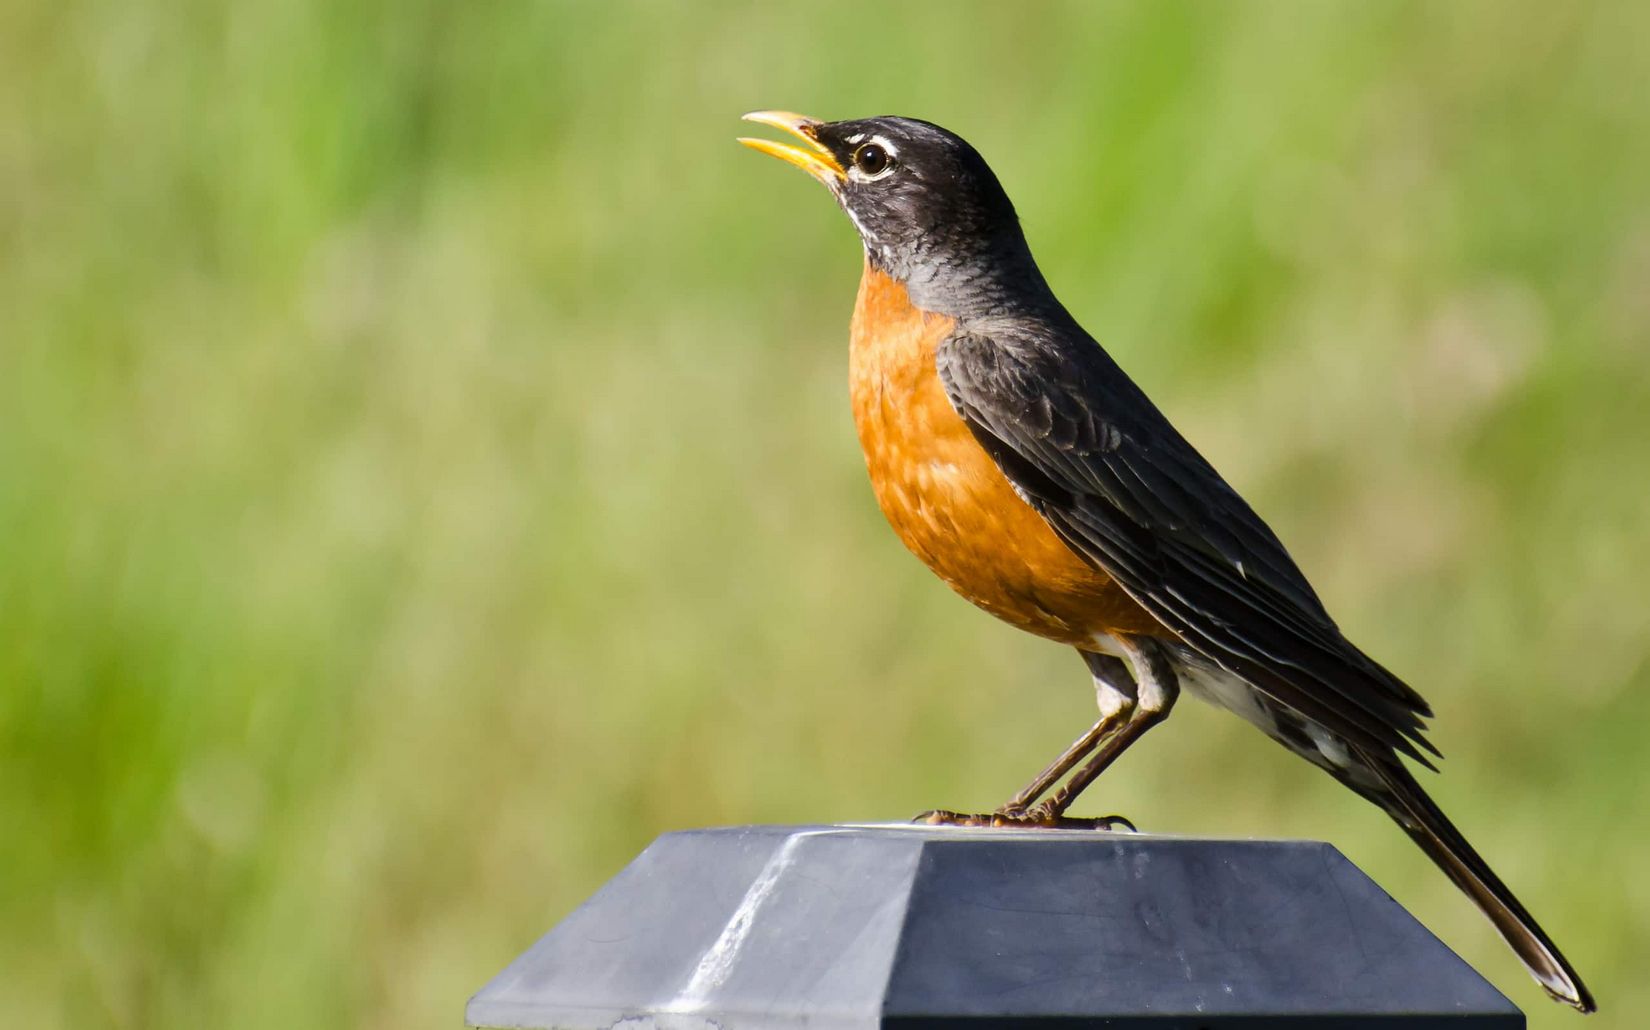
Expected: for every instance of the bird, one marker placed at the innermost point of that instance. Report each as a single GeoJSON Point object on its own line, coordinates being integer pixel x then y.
{"type": "Point", "coordinates": [1014, 456]}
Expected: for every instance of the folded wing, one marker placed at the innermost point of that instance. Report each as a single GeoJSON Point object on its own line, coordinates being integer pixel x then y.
{"type": "Point", "coordinates": [1091, 453]}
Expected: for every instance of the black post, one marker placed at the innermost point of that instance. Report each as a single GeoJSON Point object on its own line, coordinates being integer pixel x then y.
{"type": "Point", "coordinates": [868, 926]}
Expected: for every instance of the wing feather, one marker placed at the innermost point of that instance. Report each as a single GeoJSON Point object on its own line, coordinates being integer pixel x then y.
{"type": "Point", "coordinates": [1126, 491]}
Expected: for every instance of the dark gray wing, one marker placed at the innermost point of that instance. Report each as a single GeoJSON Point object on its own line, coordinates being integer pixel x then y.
{"type": "Point", "coordinates": [1124, 490]}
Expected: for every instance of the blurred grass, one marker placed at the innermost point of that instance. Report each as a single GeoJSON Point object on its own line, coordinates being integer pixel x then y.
{"type": "Point", "coordinates": [425, 473]}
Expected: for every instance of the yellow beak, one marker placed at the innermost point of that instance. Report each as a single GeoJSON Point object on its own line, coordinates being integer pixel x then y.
{"type": "Point", "coordinates": [816, 161]}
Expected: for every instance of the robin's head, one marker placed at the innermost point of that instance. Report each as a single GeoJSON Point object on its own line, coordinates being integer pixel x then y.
{"type": "Point", "coordinates": [927, 206]}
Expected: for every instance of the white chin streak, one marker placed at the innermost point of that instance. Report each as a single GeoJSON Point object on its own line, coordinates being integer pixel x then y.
{"type": "Point", "coordinates": [865, 234]}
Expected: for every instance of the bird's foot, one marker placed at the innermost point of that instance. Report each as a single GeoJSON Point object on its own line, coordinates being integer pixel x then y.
{"type": "Point", "coordinates": [1036, 817]}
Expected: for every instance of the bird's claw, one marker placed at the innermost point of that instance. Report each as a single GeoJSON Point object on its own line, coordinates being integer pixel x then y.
{"type": "Point", "coordinates": [1036, 817]}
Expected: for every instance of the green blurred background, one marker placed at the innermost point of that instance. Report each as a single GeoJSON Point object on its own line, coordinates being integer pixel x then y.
{"type": "Point", "coordinates": [426, 472]}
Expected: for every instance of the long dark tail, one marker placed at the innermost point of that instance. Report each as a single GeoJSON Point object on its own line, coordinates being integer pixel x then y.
{"type": "Point", "coordinates": [1409, 806]}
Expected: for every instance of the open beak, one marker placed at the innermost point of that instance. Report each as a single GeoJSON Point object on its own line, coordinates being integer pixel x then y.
{"type": "Point", "coordinates": [817, 161]}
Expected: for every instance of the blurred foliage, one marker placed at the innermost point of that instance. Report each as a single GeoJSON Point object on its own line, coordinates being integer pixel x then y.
{"type": "Point", "coordinates": [425, 470]}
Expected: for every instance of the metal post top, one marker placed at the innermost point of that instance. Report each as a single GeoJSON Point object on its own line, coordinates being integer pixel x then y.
{"type": "Point", "coordinates": [891, 924]}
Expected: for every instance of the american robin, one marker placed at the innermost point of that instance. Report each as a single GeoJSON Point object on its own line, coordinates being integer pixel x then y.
{"type": "Point", "coordinates": [1027, 470]}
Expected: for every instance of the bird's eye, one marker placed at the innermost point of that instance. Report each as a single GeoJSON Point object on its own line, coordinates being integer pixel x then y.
{"type": "Point", "coordinates": [872, 159]}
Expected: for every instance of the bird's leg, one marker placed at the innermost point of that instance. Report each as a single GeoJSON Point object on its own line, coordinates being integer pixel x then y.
{"type": "Point", "coordinates": [1114, 692]}
{"type": "Point", "coordinates": [1079, 750]}
{"type": "Point", "coordinates": [1157, 687]}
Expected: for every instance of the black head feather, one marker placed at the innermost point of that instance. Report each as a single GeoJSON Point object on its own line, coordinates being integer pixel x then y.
{"type": "Point", "coordinates": [932, 214]}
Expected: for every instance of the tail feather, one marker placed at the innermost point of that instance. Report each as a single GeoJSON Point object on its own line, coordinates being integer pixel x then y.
{"type": "Point", "coordinates": [1380, 776]}
{"type": "Point", "coordinates": [1409, 805]}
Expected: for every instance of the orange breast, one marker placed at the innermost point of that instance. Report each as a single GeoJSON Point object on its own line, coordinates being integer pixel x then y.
{"type": "Point", "coordinates": [947, 499]}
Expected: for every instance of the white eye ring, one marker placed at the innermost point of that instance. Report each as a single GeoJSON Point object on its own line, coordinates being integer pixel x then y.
{"type": "Point", "coordinates": [890, 161]}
